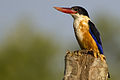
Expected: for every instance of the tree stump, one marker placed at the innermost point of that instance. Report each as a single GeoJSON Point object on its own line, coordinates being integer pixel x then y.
{"type": "Point", "coordinates": [81, 65]}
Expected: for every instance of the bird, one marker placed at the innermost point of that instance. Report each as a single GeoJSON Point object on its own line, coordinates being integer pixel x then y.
{"type": "Point", "coordinates": [87, 35]}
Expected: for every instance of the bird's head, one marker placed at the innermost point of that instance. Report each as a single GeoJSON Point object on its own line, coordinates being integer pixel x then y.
{"type": "Point", "coordinates": [75, 11]}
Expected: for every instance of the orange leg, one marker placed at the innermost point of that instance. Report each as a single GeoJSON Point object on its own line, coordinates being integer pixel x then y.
{"type": "Point", "coordinates": [102, 57]}
{"type": "Point", "coordinates": [95, 54]}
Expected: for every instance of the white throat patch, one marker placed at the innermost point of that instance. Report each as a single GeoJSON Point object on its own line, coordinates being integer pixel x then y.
{"type": "Point", "coordinates": [77, 28]}
{"type": "Point", "coordinates": [78, 18]}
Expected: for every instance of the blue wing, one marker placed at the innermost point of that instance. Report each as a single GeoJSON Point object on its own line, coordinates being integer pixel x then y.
{"type": "Point", "coordinates": [96, 36]}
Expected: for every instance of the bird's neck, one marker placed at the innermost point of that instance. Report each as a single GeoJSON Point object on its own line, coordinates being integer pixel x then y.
{"type": "Point", "coordinates": [80, 21]}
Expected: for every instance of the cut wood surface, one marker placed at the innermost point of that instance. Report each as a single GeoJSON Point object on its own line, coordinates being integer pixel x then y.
{"type": "Point", "coordinates": [82, 65]}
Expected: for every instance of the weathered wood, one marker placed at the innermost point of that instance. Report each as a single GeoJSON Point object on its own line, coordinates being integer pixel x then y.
{"type": "Point", "coordinates": [79, 65]}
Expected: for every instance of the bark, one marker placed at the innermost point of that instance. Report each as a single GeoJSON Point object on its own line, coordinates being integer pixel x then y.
{"type": "Point", "coordinates": [82, 65]}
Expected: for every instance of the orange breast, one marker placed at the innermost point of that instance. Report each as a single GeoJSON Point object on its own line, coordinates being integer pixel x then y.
{"type": "Point", "coordinates": [88, 42]}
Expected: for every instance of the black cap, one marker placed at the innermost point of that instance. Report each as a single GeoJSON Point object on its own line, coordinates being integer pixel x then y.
{"type": "Point", "coordinates": [80, 10]}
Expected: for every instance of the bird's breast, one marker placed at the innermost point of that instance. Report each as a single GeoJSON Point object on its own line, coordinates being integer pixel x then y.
{"type": "Point", "coordinates": [80, 27]}
{"type": "Point", "coordinates": [85, 40]}
{"type": "Point", "coordinates": [83, 36]}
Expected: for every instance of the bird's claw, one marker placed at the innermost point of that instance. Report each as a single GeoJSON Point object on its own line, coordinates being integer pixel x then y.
{"type": "Point", "coordinates": [102, 57]}
{"type": "Point", "coordinates": [96, 55]}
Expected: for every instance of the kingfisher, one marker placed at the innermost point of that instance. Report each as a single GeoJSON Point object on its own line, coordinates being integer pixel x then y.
{"type": "Point", "coordinates": [86, 33]}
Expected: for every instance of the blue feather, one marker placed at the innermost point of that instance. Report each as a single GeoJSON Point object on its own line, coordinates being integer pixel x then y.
{"type": "Point", "coordinates": [99, 45]}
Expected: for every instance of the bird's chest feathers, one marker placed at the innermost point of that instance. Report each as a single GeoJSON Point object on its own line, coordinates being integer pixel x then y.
{"type": "Point", "coordinates": [81, 27]}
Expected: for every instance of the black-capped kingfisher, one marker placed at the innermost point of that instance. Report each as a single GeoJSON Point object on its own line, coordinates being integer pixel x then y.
{"type": "Point", "coordinates": [86, 33]}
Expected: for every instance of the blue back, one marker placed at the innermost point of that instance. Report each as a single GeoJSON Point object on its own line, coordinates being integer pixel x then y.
{"type": "Point", "coordinates": [96, 36]}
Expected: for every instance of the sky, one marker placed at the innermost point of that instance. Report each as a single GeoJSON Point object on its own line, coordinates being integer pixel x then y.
{"type": "Point", "coordinates": [45, 17]}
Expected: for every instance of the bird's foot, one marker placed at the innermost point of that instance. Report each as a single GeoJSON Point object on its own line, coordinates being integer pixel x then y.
{"type": "Point", "coordinates": [95, 55]}
{"type": "Point", "coordinates": [102, 57]}
{"type": "Point", "coordinates": [93, 52]}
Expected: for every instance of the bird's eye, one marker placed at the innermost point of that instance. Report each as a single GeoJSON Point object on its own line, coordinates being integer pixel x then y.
{"type": "Point", "coordinates": [72, 8]}
{"type": "Point", "coordinates": [76, 9]}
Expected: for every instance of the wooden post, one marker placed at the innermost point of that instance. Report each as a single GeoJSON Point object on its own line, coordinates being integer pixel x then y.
{"type": "Point", "coordinates": [79, 65]}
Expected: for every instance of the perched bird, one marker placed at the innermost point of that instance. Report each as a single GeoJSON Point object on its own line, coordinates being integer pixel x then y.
{"type": "Point", "coordinates": [86, 33]}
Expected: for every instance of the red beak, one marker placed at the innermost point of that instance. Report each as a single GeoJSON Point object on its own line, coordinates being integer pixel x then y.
{"type": "Point", "coordinates": [66, 10]}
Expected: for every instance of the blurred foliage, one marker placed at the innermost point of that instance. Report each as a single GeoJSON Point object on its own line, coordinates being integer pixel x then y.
{"type": "Point", "coordinates": [26, 55]}
{"type": "Point", "coordinates": [109, 29]}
